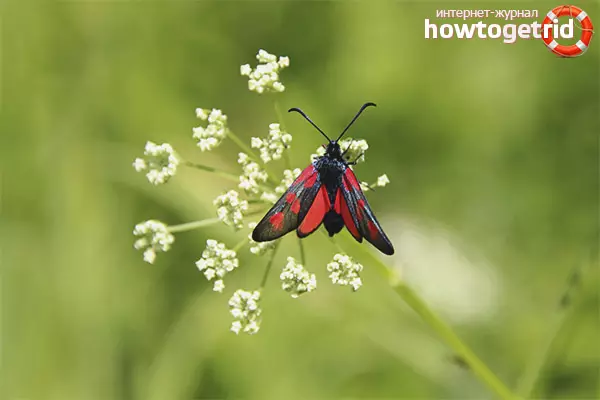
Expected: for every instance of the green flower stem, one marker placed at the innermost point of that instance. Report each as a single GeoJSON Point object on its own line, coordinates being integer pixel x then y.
{"type": "Point", "coordinates": [529, 381]}
{"type": "Point", "coordinates": [227, 175]}
{"type": "Point", "coordinates": [251, 154]}
{"type": "Point", "coordinates": [269, 265]}
{"type": "Point", "coordinates": [302, 254]}
{"type": "Point", "coordinates": [193, 225]}
{"type": "Point", "coordinates": [241, 244]}
{"type": "Point", "coordinates": [413, 300]}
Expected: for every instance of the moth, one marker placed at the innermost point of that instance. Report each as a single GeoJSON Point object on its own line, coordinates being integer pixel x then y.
{"type": "Point", "coordinates": [326, 192]}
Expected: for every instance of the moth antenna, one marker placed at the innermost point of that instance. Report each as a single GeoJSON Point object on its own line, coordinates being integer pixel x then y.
{"type": "Point", "coordinates": [355, 117]}
{"type": "Point", "coordinates": [309, 120]}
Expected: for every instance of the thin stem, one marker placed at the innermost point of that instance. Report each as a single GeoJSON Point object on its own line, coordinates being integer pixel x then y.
{"type": "Point", "coordinates": [269, 265]}
{"type": "Point", "coordinates": [449, 336]}
{"type": "Point", "coordinates": [529, 381]}
{"type": "Point", "coordinates": [188, 226]}
{"type": "Point", "coordinates": [241, 244]}
{"type": "Point", "coordinates": [413, 300]}
{"type": "Point", "coordinates": [302, 255]}
{"type": "Point", "coordinates": [206, 168]}
{"type": "Point", "coordinates": [286, 158]}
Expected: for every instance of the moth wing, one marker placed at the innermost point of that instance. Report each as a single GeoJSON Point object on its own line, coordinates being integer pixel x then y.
{"type": "Point", "coordinates": [289, 211]}
{"type": "Point", "coordinates": [362, 216]}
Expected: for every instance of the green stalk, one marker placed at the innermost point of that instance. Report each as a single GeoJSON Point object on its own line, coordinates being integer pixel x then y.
{"type": "Point", "coordinates": [444, 331]}
{"type": "Point", "coordinates": [227, 175]}
{"type": "Point", "coordinates": [529, 381]}
{"type": "Point", "coordinates": [188, 226]}
{"type": "Point", "coordinates": [269, 265]}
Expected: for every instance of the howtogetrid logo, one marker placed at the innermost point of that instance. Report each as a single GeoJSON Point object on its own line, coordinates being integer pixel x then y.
{"type": "Point", "coordinates": [548, 30]}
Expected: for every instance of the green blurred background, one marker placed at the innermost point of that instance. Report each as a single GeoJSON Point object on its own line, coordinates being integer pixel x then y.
{"type": "Point", "coordinates": [492, 151]}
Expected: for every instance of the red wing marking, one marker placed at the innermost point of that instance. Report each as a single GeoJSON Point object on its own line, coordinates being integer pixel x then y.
{"type": "Point", "coordinates": [277, 220]}
{"type": "Point", "coordinates": [290, 197]}
{"type": "Point", "coordinates": [360, 209]}
{"type": "Point", "coordinates": [351, 178]}
{"type": "Point", "coordinates": [373, 231]}
{"type": "Point", "coordinates": [337, 207]}
{"type": "Point", "coordinates": [295, 208]}
{"type": "Point", "coordinates": [347, 216]}
{"type": "Point", "coordinates": [315, 214]}
{"type": "Point", "coordinates": [310, 181]}
{"type": "Point", "coordinates": [308, 171]}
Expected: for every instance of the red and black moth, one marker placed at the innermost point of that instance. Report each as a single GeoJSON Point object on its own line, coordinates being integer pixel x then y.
{"type": "Point", "coordinates": [326, 192]}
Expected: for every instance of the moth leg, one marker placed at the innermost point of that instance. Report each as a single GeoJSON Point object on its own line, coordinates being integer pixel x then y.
{"type": "Point", "coordinates": [357, 158]}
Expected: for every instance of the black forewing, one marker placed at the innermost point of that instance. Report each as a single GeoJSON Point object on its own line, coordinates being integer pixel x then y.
{"type": "Point", "coordinates": [362, 215]}
{"type": "Point", "coordinates": [289, 211]}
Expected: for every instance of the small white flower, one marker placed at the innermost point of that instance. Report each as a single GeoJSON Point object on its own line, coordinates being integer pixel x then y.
{"type": "Point", "coordinates": [259, 248]}
{"type": "Point", "coordinates": [219, 286]}
{"type": "Point", "coordinates": [253, 175]}
{"type": "Point", "coordinates": [265, 77]}
{"type": "Point", "coordinates": [217, 261]}
{"type": "Point", "coordinates": [230, 209]}
{"type": "Point", "coordinates": [245, 70]}
{"type": "Point", "coordinates": [289, 176]}
{"type": "Point", "coordinates": [160, 161]}
{"type": "Point", "coordinates": [213, 134]}
{"type": "Point", "coordinates": [383, 180]}
{"type": "Point", "coordinates": [268, 197]}
{"type": "Point", "coordinates": [296, 280]}
{"type": "Point", "coordinates": [273, 146]}
{"type": "Point", "coordinates": [244, 308]}
{"type": "Point", "coordinates": [202, 113]}
{"type": "Point", "coordinates": [357, 149]}
{"type": "Point", "coordinates": [344, 271]}
{"type": "Point", "coordinates": [154, 237]}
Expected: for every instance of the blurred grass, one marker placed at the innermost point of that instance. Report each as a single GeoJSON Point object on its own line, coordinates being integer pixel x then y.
{"type": "Point", "coordinates": [492, 151]}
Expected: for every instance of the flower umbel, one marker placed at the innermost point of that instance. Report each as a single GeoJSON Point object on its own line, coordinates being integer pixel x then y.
{"type": "Point", "coordinates": [244, 307]}
{"type": "Point", "coordinates": [345, 271]}
{"type": "Point", "coordinates": [296, 280]}
{"type": "Point", "coordinates": [216, 262]}
{"type": "Point", "coordinates": [265, 77]}
{"type": "Point", "coordinates": [230, 209]}
{"type": "Point", "coordinates": [289, 176]}
{"type": "Point", "coordinates": [160, 162]}
{"type": "Point", "coordinates": [154, 237]}
{"type": "Point", "coordinates": [273, 146]}
{"type": "Point", "coordinates": [213, 134]}
{"type": "Point", "coordinates": [253, 175]}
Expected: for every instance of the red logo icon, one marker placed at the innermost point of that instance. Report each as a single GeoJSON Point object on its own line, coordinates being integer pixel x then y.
{"type": "Point", "coordinates": [587, 30]}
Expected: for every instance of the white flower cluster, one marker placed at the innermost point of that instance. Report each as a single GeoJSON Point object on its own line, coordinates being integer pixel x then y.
{"type": "Point", "coordinates": [213, 134]}
{"type": "Point", "coordinates": [230, 209]}
{"type": "Point", "coordinates": [289, 176]}
{"type": "Point", "coordinates": [258, 248]}
{"type": "Point", "coordinates": [382, 181]}
{"type": "Point", "coordinates": [265, 77]}
{"type": "Point", "coordinates": [244, 307]}
{"type": "Point", "coordinates": [160, 161]}
{"type": "Point", "coordinates": [273, 146]}
{"type": "Point", "coordinates": [154, 236]}
{"type": "Point", "coordinates": [253, 175]}
{"type": "Point", "coordinates": [296, 280]}
{"type": "Point", "coordinates": [216, 262]}
{"type": "Point", "coordinates": [344, 271]}
{"type": "Point", "coordinates": [358, 147]}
